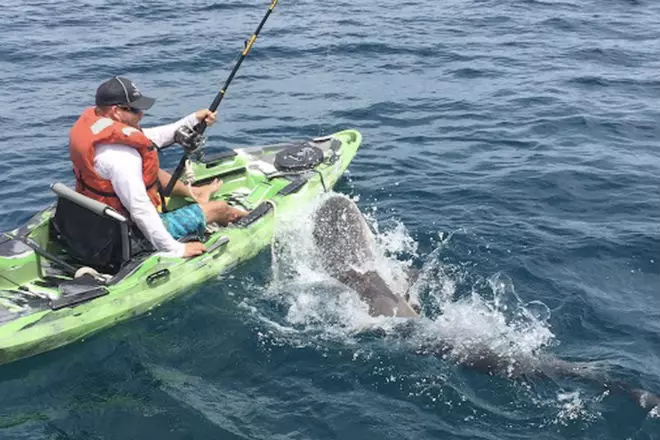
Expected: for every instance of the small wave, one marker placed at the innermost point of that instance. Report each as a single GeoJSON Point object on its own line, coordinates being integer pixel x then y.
{"type": "Point", "coordinates": [221, 406]}
{"type": "Point", "coordinates": [559, 23]}
{"type": "Point", "coordinates": [602, 81]}
{"type": "Point", "coordinates": [227, 6]}
{"type": "Point", "coordinates": [470, 72]}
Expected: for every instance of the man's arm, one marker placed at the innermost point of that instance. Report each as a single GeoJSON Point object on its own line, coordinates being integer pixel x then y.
{"type": "Point", "coordinates": [163, 135]}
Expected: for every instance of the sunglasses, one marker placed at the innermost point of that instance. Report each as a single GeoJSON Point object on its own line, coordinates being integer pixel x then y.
{"type": "Point", "coordinates": [136, 111]}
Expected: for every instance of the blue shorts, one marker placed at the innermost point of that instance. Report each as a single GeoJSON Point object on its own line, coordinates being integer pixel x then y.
{"type": "Point", "coordinates": [185, 221]}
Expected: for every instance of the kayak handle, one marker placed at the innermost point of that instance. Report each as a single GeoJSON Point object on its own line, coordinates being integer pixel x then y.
{"type": "Point", "coordinates": [159, 277]}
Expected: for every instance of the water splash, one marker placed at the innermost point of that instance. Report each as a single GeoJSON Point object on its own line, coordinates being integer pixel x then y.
{"type": "Point", "coordinates": [490, 315]}
{"type": "Point", "coordinates": [465, 310]}
{"type": "Point", "coordinates": [574, 407]}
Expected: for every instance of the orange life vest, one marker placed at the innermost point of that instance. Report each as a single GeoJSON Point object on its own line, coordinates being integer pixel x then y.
{"type": "Point", "coordinates": [91, 130]}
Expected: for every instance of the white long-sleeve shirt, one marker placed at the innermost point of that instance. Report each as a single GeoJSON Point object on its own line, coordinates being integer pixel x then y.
{"type": "Point", "coordinates": [122, 166]}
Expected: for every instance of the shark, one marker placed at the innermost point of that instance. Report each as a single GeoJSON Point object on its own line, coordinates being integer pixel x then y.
{"type": "Point", "coordinates": [345, 244]}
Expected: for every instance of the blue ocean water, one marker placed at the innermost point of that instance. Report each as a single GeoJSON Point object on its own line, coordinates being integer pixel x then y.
{"type": "Point", "coordinates": [510, 155]}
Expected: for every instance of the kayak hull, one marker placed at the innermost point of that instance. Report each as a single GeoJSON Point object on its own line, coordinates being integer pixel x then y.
{"type": "Point", "coordinates": [30, 324]}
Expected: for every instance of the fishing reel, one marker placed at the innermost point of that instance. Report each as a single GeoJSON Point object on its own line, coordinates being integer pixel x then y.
{"type": "Point", "coordinates": [191, 141]}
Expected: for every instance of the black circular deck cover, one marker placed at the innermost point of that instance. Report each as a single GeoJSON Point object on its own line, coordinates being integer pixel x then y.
{"type": "Point", "coordinates": [299, 157]}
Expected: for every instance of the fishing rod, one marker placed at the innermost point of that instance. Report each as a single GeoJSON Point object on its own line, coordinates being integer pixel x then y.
{"type": "Point", "coordinates": [248, 45]}
{"type": "Point", "coordinates": [192, 140]}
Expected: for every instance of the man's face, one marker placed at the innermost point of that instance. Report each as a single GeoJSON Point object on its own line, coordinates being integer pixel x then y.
{"type": "Point", "coordinates": [127, 115]}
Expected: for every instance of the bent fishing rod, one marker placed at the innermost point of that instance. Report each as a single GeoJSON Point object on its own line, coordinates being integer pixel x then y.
{"type": "Point", "coordinates": [192, 140]}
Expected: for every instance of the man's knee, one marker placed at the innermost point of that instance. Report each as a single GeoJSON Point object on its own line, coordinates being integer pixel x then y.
{"type": "Point", "coordinates": [219, 211]}
{"type": "Point", "coordinates": [215, 210]}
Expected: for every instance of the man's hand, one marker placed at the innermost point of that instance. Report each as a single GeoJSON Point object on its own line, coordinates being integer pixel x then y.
{"type": "Point", "coordinates": [207, 116]}
{"type": "Point", "coordinates": [193, 249]}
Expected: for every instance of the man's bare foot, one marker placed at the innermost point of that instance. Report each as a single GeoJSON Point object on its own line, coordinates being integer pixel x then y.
{"type": "Point", "coordinates": [203, 193]}
{"type": "Point", "coordinates": [236, 214]}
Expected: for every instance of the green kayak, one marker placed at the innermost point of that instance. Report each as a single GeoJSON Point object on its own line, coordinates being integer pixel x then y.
{"type": "Point", "coordinates": [49, 298]}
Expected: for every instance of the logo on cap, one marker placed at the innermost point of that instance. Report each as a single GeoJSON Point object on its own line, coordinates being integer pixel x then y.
{"type": "Point", "coordinates": [135, 93]}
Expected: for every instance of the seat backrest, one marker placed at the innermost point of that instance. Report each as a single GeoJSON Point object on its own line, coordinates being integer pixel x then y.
{"type": "Point", "coordinates": [92, 233]}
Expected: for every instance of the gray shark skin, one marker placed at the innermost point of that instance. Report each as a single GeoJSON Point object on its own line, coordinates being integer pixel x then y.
{"type": "Point", "coordinates": [344, 243]}
{"type": "Point", "coordinates": [373, 290]}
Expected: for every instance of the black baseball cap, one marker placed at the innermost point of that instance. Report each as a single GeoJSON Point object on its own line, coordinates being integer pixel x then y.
{"type": "Point", "coordinates": [122, 91]}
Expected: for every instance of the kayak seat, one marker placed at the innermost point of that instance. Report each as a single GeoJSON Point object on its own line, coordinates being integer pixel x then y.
{"type": "Point", "coordinates": [92, 233]}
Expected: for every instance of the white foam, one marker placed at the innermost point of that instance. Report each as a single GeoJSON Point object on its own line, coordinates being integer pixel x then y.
{"type": "Point", "coordinates": [573, 407]}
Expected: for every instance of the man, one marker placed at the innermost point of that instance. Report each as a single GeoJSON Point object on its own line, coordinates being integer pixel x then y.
{"type": "Point", "coordinates": [116, 162]}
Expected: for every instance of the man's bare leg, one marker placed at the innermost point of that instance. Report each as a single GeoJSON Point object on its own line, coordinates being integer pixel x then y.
{"type": "Point", "coordinates": [218, 211]}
